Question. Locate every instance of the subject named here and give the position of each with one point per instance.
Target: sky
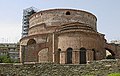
(106, 11)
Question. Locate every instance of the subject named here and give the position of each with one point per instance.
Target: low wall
(96, 68)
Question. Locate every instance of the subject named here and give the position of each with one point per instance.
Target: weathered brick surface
(96, 68)
(57, 17)
(55, 29)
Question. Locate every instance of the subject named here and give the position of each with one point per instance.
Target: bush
(5, 59)
(114, 74)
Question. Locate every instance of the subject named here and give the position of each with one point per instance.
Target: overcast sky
(107, 12)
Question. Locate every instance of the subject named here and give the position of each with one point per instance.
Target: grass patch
(114, 74)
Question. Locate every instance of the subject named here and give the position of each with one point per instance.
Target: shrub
(5, 59)
(114, 74)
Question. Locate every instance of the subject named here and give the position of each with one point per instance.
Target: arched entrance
(69, 56)
(82, 56)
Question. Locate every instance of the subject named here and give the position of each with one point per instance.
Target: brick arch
(111, 48)
(30, 51)
(41, 47)
(31, 46)
(43, 55)
(31, 42)
(111, 51)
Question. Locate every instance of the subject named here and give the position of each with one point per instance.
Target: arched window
(59, 49)
(69, 56)
(67, 13)
(31, 41)
(31, 44)
(82, 56)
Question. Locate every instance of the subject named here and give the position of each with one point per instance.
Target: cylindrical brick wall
(57, 17)
(60, 29)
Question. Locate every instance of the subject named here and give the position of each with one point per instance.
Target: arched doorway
(82, 56)
(69, 56)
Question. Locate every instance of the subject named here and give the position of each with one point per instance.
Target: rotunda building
(65, 36)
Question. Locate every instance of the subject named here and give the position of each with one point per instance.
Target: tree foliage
(5, 59)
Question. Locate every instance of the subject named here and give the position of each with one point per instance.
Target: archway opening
(69, 56)
(109, 54)
(82, 56)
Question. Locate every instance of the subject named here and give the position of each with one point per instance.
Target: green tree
(5, 59)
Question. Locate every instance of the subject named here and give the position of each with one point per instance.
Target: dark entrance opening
(69, 56)
(94, 54)
(82, 56)
(58, 55)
